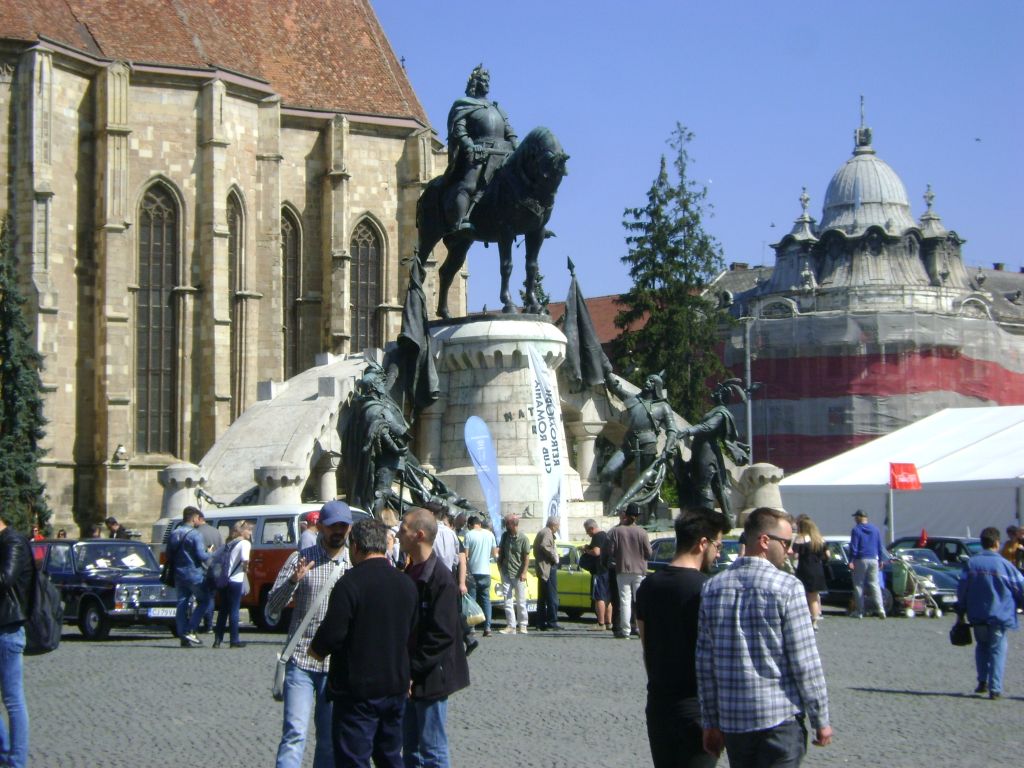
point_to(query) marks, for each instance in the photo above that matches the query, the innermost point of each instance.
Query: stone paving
(899, 695)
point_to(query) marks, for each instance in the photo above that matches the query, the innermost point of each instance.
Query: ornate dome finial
(929, 198)
(805, 199)
(862, 136)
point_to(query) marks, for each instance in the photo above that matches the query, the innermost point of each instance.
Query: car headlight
(125, 596)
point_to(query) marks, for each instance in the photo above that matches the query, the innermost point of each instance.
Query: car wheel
(93, 622)
(263, 619)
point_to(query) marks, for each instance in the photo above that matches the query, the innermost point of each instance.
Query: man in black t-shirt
(667, 606)
(598, 566)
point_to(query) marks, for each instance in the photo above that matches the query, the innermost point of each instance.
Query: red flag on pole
(903, 477)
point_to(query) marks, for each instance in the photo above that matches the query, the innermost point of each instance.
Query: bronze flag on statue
(419, 374)
(585, 361)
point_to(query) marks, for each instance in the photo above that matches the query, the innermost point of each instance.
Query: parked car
(926, 563)
(839, 577)
(275, 536)
(664, 549)
(105, 583)
(954, 550)
(573, 585)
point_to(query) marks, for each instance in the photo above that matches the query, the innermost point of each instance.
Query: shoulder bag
(277, 689)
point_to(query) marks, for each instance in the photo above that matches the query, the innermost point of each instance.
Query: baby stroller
(911, 593)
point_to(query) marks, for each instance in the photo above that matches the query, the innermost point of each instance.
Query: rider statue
(704, 479)
(647, 415)
(375, 442)
(480, 137)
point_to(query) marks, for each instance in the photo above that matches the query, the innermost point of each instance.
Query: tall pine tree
(671, 260)
(21, 406)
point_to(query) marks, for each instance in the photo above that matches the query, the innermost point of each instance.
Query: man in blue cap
(308, 576)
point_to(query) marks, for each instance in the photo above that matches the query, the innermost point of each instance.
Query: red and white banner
(903, 477)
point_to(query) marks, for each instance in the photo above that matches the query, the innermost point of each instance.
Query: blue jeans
(14, 736)
(480, 590)
(303, 690)
(186, 591)
(990, 655)
(368, 728)
(426, 740)
(547, 600)
(230, 602)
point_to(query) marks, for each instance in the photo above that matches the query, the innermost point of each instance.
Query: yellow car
(573, 585)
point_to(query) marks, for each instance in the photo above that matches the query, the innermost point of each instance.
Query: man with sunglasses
(758, 670)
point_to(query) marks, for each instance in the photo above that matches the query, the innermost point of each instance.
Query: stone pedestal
(485, 371)
(758, 486)
(281, 483)
(180, 483)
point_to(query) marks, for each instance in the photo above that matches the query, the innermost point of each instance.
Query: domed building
(868, 321)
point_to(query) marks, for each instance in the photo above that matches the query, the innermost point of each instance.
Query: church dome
(866, 192)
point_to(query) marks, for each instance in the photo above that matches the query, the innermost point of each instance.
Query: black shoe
(995, 696)
(555, 627)
(982, 688)
(471, 645)
(239, 644)
(190, 642)
(216, 643)
(621, 635)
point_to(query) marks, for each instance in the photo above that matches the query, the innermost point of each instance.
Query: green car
(573, 585)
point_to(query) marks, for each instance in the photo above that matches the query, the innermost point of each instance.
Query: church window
(291, 268)
(156, 342)
(364, 286)
(236, 306)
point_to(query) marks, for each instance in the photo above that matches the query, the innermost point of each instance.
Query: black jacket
(438, 660)
(16, 572)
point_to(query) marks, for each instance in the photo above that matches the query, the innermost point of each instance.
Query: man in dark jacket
(366, 632)
(437, 657)
(16, 574)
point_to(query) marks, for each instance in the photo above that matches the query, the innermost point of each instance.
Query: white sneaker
(507, 631)
(522, 631)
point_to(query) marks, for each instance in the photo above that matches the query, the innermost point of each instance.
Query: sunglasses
(787, 543)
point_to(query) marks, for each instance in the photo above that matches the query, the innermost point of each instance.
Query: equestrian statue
(494, 189)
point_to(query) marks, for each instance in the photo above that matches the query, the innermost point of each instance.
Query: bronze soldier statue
(647, 415)
(480, 137)
(704, 479)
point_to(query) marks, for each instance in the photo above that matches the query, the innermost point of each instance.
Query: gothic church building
(204, 194)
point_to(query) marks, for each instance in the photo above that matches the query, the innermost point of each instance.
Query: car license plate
(162, 613)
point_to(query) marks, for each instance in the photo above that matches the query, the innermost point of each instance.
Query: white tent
(971, 465)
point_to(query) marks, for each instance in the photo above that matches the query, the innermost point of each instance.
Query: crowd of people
(378, 637)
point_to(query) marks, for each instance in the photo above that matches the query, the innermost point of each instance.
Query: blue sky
(771, 90)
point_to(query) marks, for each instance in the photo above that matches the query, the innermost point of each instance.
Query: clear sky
(771, 90)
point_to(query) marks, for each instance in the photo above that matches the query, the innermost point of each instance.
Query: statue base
(485, 371)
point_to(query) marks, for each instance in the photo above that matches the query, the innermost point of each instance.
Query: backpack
(220, 572)
(45, 616)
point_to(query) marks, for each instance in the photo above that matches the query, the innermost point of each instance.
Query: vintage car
(573, 585)
(952, 550)
(105, 583)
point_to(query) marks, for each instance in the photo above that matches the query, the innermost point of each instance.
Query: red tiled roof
(324, 54)
(603, 311)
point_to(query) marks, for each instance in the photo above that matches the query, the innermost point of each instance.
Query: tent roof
(953, 445)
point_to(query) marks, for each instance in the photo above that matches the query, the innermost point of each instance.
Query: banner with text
(903, 477)
(552, 459)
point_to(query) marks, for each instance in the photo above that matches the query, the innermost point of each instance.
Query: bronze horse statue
(517, 201)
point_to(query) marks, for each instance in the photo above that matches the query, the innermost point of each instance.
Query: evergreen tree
(21, 406)
(672, 259)
(538, 290)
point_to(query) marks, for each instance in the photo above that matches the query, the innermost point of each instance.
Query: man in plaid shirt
(758, 671)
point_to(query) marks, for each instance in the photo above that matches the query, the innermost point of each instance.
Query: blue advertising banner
(480, 447)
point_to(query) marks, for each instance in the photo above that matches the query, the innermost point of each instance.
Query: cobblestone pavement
(899, 695)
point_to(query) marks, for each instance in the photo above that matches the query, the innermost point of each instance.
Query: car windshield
(126, 556)
(923, 556)
(974, 547)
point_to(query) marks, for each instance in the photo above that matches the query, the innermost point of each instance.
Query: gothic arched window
(364, 286)
(291, 270)
(236, 307)
(156, 343)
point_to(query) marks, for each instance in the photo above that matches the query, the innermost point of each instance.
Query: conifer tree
(21, 405)
(671, 260)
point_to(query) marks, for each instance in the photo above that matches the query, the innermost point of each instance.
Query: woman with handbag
(235, 584)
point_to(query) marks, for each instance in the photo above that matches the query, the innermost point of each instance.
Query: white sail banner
(552, 458)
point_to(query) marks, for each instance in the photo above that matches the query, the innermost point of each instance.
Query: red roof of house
(323, 54)
(603, 311)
